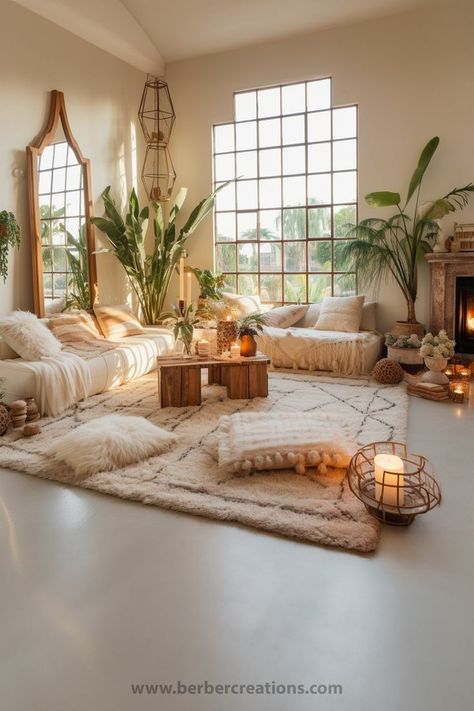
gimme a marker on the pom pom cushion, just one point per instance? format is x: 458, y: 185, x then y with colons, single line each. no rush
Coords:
x: 340, y: 313
x: 109, y: 443
x: 28, y: 336
x: 118, y: 321
x: 264, y: 441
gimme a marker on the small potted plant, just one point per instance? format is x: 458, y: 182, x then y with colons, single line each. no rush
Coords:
x: 247, y: 328
x: 210, y: 284
x: 183, y: 323
x: 9, y: 237
x: 404, y: 349
x: 436, y: 350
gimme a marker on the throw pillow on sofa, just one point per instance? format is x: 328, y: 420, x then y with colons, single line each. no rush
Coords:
x: 244, y: 305
x: 74, y: 327
x: 340, y: 313
x: 285, y: 316
x: 28, y: 336
x: 118, y: 321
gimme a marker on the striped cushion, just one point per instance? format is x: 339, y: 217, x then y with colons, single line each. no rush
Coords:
x: 118, y: 321
x: 74, y: 327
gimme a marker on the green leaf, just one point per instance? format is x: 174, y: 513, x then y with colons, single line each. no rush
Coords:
x: 383, y: 199
x: 178, y: 204
x: 423, y: 162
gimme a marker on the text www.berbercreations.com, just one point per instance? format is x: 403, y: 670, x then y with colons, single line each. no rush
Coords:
x: 267, y: 688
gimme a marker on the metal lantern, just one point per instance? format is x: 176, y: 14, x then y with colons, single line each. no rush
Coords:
x: 156, y: 113
x: 158, y: 173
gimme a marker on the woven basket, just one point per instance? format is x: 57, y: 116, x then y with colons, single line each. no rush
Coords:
x: 408, y: 356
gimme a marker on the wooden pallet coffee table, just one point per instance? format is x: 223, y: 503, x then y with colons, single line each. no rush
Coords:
x: 179, y: 379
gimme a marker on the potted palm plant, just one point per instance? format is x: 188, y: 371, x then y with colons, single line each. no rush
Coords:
x: 183, y: 323
x: 378, y: 246
x: 9, y: 237
x: 247, y: 328
x: 210, y: 283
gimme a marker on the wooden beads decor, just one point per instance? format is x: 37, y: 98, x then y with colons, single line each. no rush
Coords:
x: 226, y: 335
x: 31, y: 428
x: 32, y: 412
x: 388, y: 372
x: 4, y: 419
x: 18, y: 414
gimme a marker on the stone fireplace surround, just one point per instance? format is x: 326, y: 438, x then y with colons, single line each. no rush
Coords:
x: 444, y: 268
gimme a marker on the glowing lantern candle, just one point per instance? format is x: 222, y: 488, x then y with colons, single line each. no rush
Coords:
x: 389, y: 480
x: 235, y: 350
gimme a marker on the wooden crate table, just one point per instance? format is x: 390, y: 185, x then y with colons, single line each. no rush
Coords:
x: 179, y: 379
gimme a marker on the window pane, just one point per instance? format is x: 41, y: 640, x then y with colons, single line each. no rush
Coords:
x: 319, y: 94
x: 224, y: 167
x: 342, y: 215
x: 247, y: 194
x: 46, y: 158
x: 269, y: 132
x: 246, y: 136
x: 74, y: 204
x: 224, y: 138
x: 319, y: 126
x: 293, y: 129
x: 319, y: 157
x: 345, y: 155
x: 248, y: 284
x: 60, y: 154
x: 270, y: 288
x: 44, y: 186
x: 225, y: 227
x: 295, y: 256
x: 269, y: 102
x: 294, y: 223
x: 295, y: 288
x: 319, y: 287
x: 225, y: 257
x: 270, y: 224
x: 74, y: 178
x: 247, y: 225
x: 270, y: 192
x: 319, y: 256
x: 230, y: 283
x: 294, y: 192
x: 225, y: 198
x: 319, y: 189
x: 294, y: 160
x: 270, y: 256
x: 344, y: 122
x: 247, y: 164
x: 248, y: 259
x: 59, y: 180
x: 341, y: 264
x: 345, y: 187
x: 293, y: 99
x: 245, y: 106
x: 344, y: 285
x: 270, y: 161
x: 71, y: 157
x: 319, y: 222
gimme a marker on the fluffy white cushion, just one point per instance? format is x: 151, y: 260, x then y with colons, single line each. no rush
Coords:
x: 285, y: 316
x: 110, y: 442
x: 244, y: 305
x: 283, y: 440
x: 6, y: 351
x: 340, y: 313
x: 118, y: 321
x: 28, y: 336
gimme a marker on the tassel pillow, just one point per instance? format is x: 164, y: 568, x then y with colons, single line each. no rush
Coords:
x: 340, y: 313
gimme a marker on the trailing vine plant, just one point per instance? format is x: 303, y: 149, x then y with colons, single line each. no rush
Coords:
x: 9, y: 237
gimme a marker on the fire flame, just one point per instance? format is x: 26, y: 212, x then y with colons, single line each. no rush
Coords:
x: 470, y: 322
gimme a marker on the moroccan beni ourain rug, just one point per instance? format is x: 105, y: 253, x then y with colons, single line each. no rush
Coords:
x: 315, y: 507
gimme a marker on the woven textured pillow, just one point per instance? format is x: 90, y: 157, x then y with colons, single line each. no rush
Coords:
x: 283, y: 440
x: 369, y: 314
x: 28, y: 336
x: 340, y: 313
x: 244, y: 305
x: 74, y: 327
x: 118, y: 321
x: 285, y: 316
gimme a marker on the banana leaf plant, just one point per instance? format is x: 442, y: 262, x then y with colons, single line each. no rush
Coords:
x: 378, y: 247
x: 78, y: 288
x: 149, y: 274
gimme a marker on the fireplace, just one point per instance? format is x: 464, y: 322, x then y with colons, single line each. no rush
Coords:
x: 464, y: 332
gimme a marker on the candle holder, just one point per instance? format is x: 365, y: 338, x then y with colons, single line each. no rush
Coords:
x: 458, y: 390
x: 449, y: 372
x: 226, y: 335
x: 410, y: 492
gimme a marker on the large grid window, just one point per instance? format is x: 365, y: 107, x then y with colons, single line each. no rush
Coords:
x: 279, y: 226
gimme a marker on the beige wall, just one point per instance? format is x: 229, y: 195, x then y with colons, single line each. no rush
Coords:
x: 412, y: 76
x: 102, y: 96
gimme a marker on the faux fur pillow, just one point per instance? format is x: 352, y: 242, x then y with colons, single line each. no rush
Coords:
x: 285, y: 316
x: 28, y: 336
x: 340, y: 313
x: 283, y: 440
x: 109, y: 443
x: 118, y: 321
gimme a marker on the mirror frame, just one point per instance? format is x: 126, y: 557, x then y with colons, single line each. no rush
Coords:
x: 57, y: 113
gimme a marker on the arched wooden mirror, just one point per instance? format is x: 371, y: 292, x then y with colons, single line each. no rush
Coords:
x: 64, y: 266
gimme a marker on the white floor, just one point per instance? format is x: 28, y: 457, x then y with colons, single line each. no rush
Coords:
x: 98, y: 593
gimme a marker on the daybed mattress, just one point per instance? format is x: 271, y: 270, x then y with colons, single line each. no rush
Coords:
x: 135, y: 356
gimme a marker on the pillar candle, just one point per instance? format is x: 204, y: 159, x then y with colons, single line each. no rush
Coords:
x: 189, y: 289
x: 235, y: 350
x: 389, y: 479
x: 181, y: 279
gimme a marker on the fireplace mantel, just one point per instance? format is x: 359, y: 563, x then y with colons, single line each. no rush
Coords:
x: 445, y: 267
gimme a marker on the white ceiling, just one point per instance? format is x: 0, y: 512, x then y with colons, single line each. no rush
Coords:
x: 150, y: 33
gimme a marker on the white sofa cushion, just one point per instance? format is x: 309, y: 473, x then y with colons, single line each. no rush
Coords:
x: 244, y: 305
x: 285, y: 316
x: 28, y: 336
x: 310, y: 318
x: 117, y: 321
x: 6, y: 351
x: 369, y: 316
x: 340, y: 313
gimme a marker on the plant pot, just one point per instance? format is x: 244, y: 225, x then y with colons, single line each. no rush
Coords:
x: 248, y: 346
x: 4, y: 419
x: 405, y: 328
x: 405, y: 356
x: 435, y: 373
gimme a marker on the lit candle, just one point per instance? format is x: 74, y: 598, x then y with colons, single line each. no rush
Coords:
x: 389, y: 479
x: 229, y: 318
x: 465, y: 374
x: 203, y: 347
x: 181, y: 279
x: 235, y: 350
x: 449, y: 372
x: 189, y: 289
